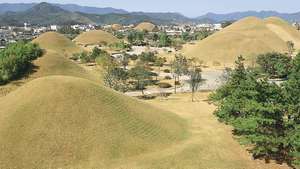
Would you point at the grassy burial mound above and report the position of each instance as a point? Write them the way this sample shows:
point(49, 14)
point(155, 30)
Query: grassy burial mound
point(284, 30)
point(57, 42)
point(95, 37)
point(146, 26)
point(116, 27)
point(67, 122)
point(248, 37)
point(53, 63)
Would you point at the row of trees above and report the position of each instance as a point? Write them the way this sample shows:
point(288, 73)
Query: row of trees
point(264, 114)
point(89, 57)
point(16, 59)
point(118, 77)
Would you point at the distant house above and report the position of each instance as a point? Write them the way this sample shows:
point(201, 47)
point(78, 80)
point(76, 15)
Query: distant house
point(53, 27)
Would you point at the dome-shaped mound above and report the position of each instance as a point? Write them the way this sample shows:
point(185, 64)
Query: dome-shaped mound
point(53, 63)
point(67, 122)
point(56, 42)
point(284, 30)
point(95, 37)
point(116, 27)
point(248, 37)
point(146, 26)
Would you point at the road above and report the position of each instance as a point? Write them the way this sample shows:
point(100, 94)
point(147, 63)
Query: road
point(211, 81)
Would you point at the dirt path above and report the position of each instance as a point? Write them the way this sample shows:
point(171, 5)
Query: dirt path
point(210, 144)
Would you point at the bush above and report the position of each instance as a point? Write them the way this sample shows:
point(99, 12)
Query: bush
point(164, 85)
point(16, 59)
point(276, 65)
point(168, 77)
point(167, 71)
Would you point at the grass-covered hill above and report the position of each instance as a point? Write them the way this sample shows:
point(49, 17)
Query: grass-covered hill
point(67, 122)
point(55, 61)
point(284, 30)
point(95, 37)
point(249, 37)
point(56, 42)
point(146, 26)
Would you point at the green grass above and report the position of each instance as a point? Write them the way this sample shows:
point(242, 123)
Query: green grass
point(60, 122)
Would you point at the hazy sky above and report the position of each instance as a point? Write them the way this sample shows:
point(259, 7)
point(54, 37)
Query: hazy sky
point(188, 7)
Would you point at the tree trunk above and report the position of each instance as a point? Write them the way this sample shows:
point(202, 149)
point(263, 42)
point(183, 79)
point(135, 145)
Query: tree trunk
point(175, 85)
point(193, 96)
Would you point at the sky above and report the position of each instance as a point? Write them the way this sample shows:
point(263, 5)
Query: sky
point(191, 8)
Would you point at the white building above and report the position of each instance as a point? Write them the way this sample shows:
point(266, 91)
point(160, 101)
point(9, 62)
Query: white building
point(53, 27)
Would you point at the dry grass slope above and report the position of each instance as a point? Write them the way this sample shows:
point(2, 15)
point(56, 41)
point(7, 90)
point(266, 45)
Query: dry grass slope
point(248, 37)
point(57, 42)
point(95, 37)
point(67, 122)
point(116, 27)
point(284, 30)
point(146, 26)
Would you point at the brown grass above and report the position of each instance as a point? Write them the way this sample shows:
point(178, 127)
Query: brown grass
point(146, 26)
point(67, 122)
point(95, 37)
point(57, 42)
point(248, 37)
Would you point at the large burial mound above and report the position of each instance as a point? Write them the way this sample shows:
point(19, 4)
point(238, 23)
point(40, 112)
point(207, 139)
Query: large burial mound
point(248, 37)
point(95, 37)
point(57, 42)
point(67, 122)
point(146, 26)
point(54, 62)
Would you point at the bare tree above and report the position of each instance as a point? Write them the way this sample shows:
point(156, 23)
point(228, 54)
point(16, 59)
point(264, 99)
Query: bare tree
point(291, 48)
point(179, 68)
point(195, 76)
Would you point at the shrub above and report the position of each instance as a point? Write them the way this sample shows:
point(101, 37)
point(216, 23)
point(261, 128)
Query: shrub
point(216, 63)
point(168, 77)
point(275, 64)
point(164, 85)
point(16, 59)
point(167, 71)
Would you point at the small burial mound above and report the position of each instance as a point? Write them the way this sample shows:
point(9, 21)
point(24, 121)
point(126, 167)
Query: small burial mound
point(67, 122)
point(116, 27)
point(95, 37)
point(146, 26)
point(57, 42)
point(248, 37)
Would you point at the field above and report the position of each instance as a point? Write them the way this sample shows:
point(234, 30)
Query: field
point(95, 37)
point(247, 37)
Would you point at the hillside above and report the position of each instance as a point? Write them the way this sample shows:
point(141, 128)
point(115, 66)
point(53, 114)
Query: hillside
point(21, 7)
point(284, 30)
point(95, 37)
point(146, 26)
point(57, 42)
point(73, 123)
point(43, 14)
point(247, 37)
